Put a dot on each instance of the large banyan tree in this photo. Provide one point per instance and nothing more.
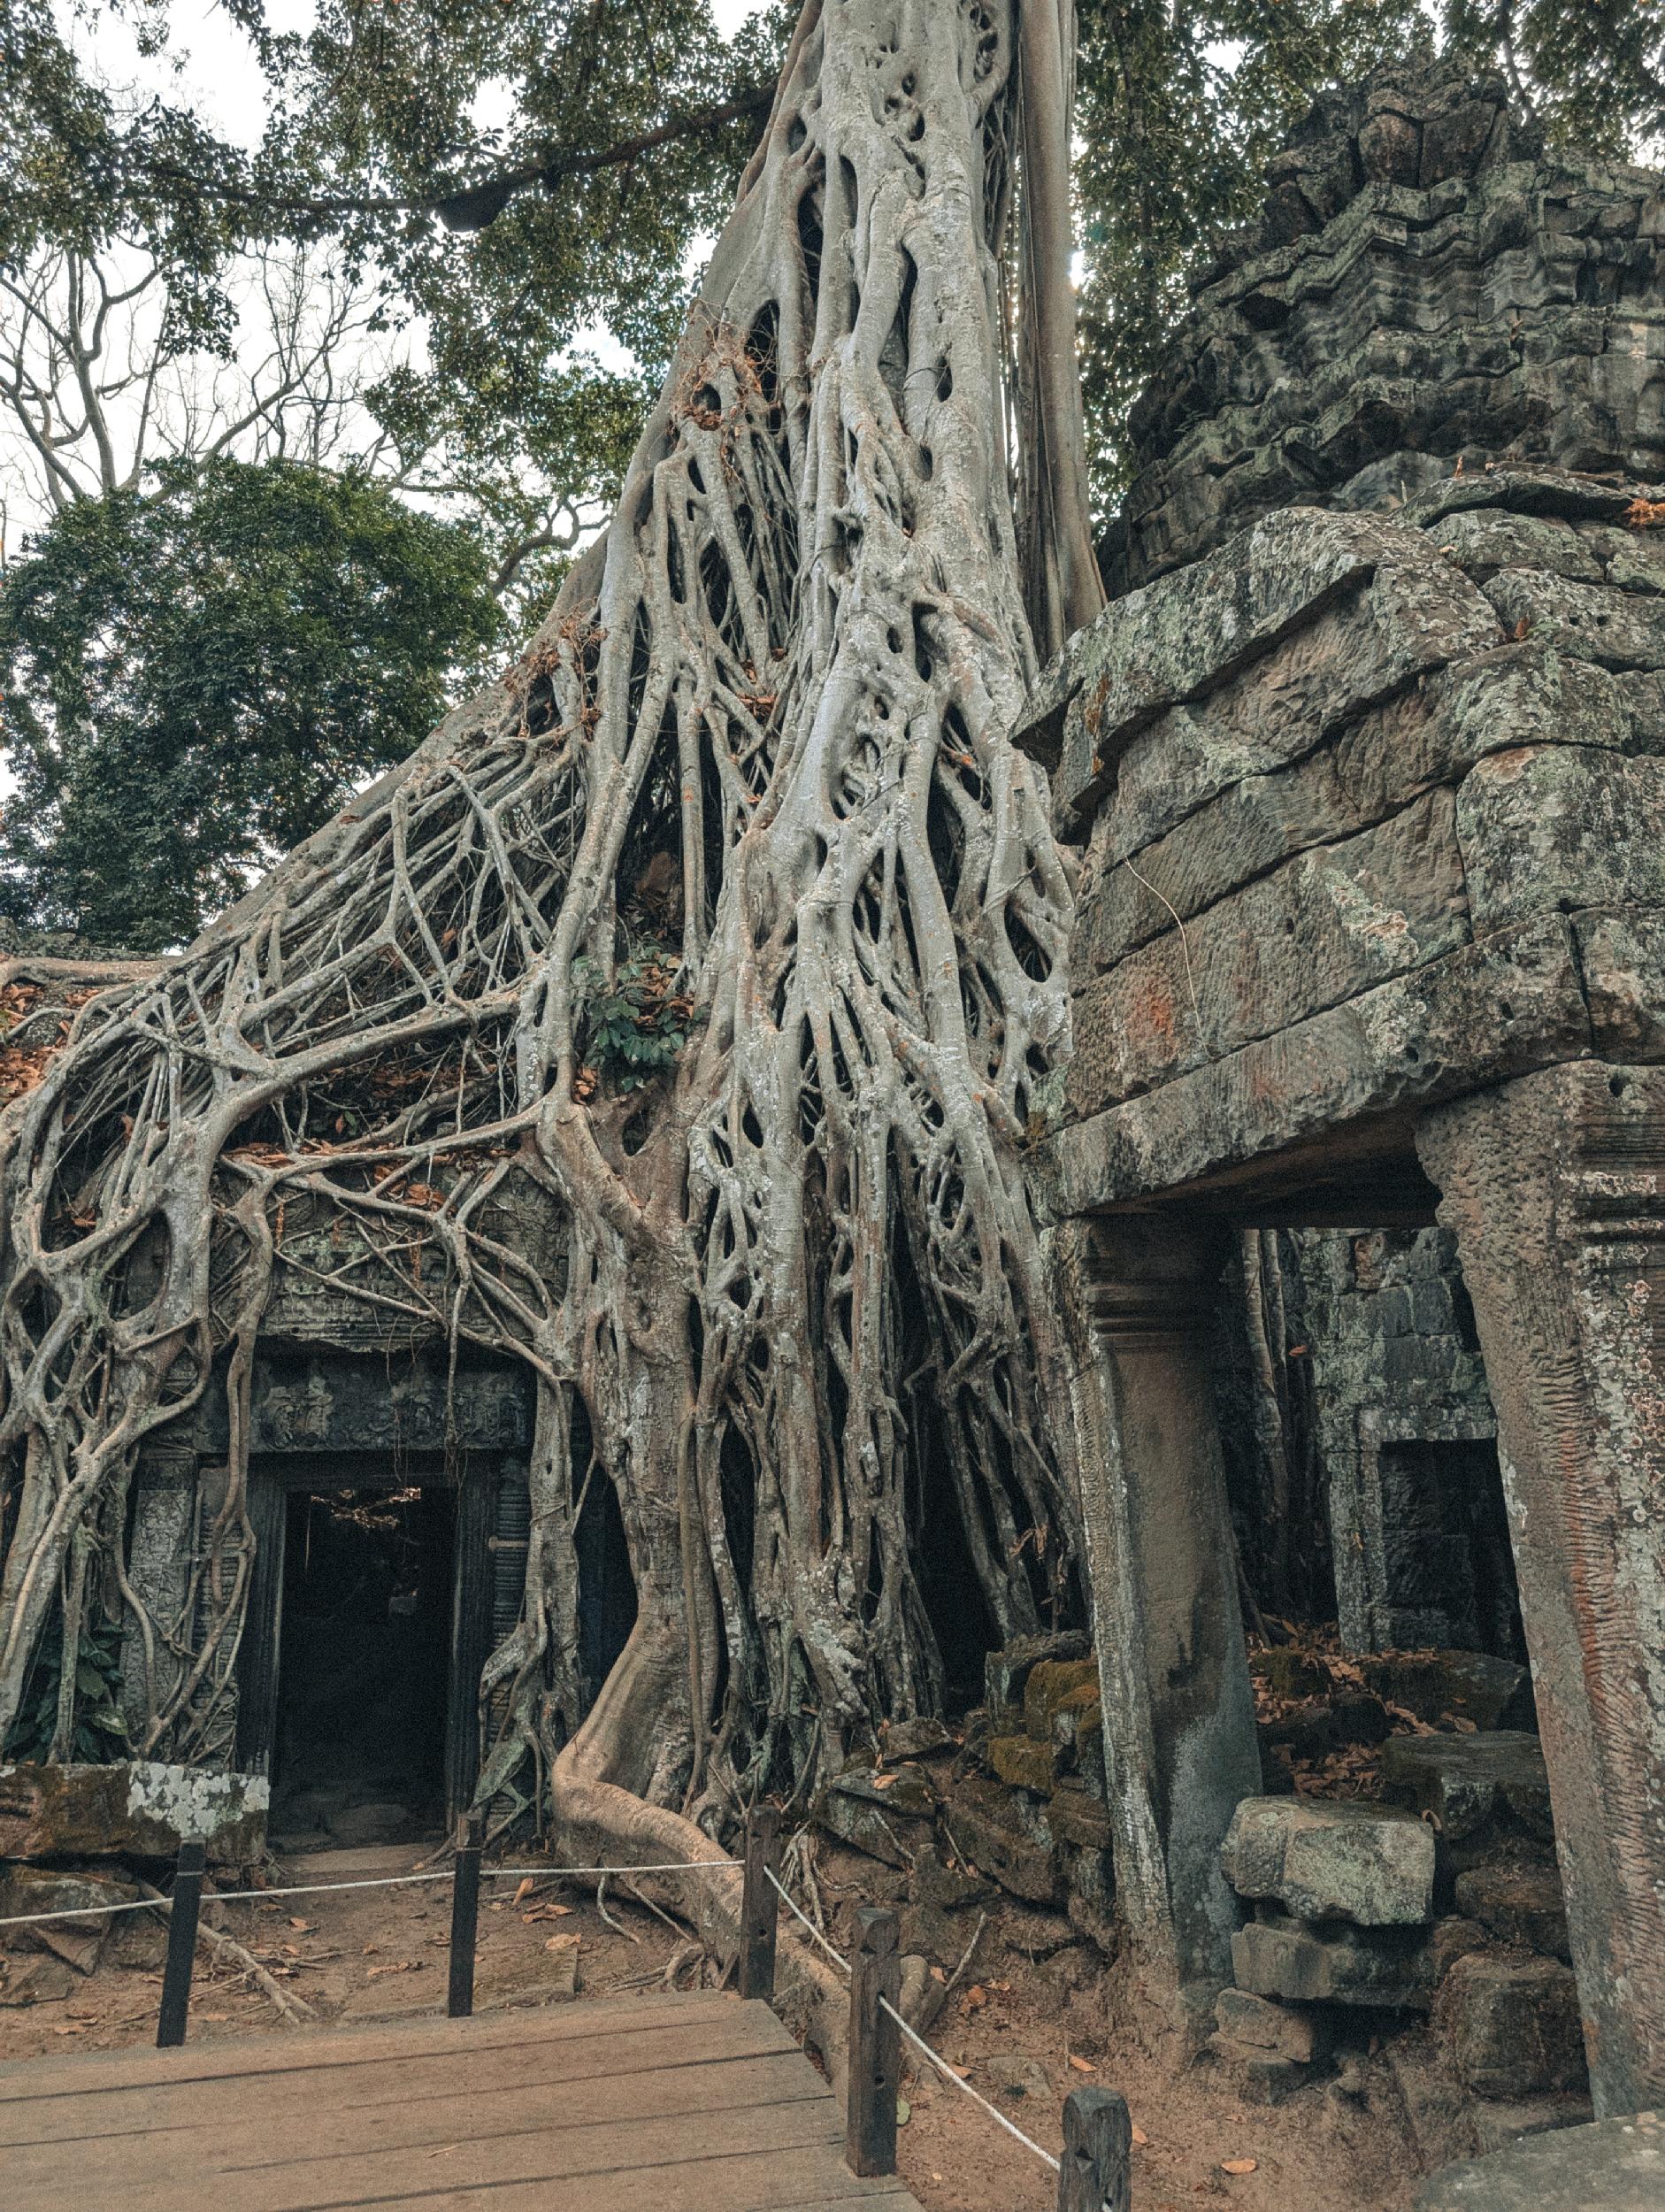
(727, 935)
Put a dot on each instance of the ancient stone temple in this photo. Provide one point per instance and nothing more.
(1368, 780)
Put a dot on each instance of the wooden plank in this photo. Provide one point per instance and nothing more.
(497, 2094)
(660, 2105)
(148, 2177)
(263, 2133)
(144, 2068)
(493, 2070)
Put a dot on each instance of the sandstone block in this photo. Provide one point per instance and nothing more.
(32, 1889)
(1262, 2077)
(1617, 629)
(1331, 1860)
(985, 1826)
(1265, 2026)
(1466, 1780)
(889, 1821)
(1006, 1672)
(1353, 1966)
(1517, 1904)
(138, 1808)
(1050, 1686)
(1075, 1815)
(1022, 1762)
(951, 1888)
(1617, 2164)
(1512, 2024)
(1469, 1684)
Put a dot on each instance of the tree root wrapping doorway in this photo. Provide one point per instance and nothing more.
(637, 1022)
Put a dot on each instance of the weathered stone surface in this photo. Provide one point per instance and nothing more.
(1262, 2077)
(1332, 1860)
(983, 1821)
(1612, 2166)
(1075, 1816)
(1185, 854)
(30, 1889)
(42, 1980)
(1006, 1673)
(1493, 1694)
(1423, 284)
(887, 1816)
(1351, 1966)
(1450, 1939)
(1418, 1039)
(1512, 2024)
(1399, 610)
(1589, 621)
(1481, 542)
(1327, 926)
(1517, 1904)
(1465, 1780)
(1265, 2026)
(1050, 1688)
(1561, 825)
(1024, 1762)
(138, 1808)
(950, 1888)
(920, 1739)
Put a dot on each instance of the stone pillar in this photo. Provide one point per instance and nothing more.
(1555, 1185)
(1181, 1751)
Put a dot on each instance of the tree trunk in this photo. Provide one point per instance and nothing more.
(752, 785)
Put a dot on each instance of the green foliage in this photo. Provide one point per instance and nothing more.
(100, 1734)
(194, 679)
(634, 1030)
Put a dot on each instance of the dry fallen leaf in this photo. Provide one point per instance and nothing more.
(1239, 2165)
(1082, 2065)
(1139, 2136)
(305, 1927)
(525, 1890)
(975, 1997)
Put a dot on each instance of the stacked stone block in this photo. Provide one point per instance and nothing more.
(1423, 284)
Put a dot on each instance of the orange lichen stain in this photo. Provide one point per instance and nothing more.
(1153, 1013)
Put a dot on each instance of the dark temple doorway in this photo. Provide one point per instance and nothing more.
(365, 1669)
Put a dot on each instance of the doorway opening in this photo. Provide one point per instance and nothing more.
(365, 1660)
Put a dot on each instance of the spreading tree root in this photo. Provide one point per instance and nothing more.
(790, 1279)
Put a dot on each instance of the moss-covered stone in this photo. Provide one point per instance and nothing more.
(1024, 1763)
(1049, 1685)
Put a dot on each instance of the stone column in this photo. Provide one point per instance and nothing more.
(1555, 1185)
(1181, 1751)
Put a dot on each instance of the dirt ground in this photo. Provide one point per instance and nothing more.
(1027, 2024)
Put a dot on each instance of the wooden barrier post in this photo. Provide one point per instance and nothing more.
(465, 1916)
(1098, 2147)
(760, 1904)
(184, 1912)
(869, 2142)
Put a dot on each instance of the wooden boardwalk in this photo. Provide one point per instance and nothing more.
(669, 2104)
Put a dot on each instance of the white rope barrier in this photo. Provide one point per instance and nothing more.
(379, 1881)
(552, 1873)
(937, 2060)
(976, 2097)
(837, 1959)
(79, 1912)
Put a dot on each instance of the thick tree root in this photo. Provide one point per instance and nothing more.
(670, 1021)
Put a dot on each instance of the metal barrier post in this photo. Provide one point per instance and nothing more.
(1098, 2147)
(184, 1912)
(760, 1904)
(870, 2143)
(466, 1915)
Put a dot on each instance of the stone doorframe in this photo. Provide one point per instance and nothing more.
(1553, 1185)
